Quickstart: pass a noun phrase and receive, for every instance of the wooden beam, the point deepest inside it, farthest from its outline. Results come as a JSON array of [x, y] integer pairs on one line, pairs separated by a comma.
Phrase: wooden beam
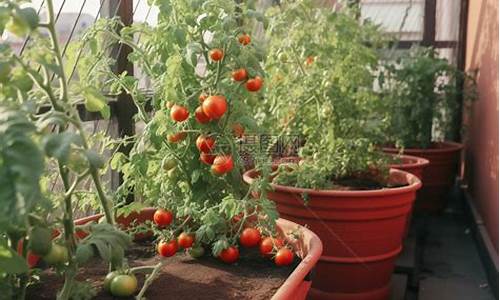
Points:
[[429, 36]]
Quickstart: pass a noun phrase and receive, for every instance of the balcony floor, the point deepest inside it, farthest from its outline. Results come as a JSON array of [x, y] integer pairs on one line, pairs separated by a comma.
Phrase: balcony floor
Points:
[[441, 261]]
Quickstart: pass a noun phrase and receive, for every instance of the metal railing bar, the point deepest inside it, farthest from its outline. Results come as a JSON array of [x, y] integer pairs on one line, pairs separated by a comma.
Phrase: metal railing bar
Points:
[[81, 49]]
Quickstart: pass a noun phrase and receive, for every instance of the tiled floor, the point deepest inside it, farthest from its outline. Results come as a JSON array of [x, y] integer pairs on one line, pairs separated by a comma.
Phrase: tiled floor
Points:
[[449, 264]]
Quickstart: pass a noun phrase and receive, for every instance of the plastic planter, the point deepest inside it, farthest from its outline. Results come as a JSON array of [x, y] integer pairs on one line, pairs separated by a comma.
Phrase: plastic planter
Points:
[[439, 175], [361, 232], [295, 287]]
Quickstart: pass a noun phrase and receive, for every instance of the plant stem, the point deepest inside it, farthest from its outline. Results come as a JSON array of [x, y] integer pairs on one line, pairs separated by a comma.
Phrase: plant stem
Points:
[[149, 280]]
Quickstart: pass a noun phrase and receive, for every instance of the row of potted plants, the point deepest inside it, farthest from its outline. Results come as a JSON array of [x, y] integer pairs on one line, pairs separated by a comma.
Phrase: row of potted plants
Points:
[[330, 82]]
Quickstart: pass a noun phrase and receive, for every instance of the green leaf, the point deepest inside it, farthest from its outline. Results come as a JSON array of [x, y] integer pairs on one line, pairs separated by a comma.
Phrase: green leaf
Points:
[[95, 101], [84, 253]]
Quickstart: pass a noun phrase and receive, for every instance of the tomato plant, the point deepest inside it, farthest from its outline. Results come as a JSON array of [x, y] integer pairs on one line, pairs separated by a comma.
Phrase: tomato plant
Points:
[[44, 143], [321, 89], [420, 95]]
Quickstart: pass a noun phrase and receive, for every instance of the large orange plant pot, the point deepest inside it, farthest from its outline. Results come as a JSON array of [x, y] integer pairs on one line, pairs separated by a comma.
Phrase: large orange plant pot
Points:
[[361, 232], [439, 176]]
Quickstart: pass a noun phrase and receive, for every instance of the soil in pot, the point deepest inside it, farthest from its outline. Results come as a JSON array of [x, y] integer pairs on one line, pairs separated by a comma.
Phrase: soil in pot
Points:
[[183, 277]]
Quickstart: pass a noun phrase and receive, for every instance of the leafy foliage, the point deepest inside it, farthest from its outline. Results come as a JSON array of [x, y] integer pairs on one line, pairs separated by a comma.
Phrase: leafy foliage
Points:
[[41, 132], [175, 57], [420, 95], [321, 86]]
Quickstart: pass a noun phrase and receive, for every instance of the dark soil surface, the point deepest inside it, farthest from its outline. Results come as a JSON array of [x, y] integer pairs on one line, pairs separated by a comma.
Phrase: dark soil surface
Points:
[[183, 277]]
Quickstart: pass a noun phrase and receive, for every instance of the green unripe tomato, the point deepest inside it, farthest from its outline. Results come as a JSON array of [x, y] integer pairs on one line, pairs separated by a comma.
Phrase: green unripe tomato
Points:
[[123, 285], [58, 255], [31, 17], [23, 21], [168, 164], [77, 162], [40, 240], [196, 252], [4, 71], [107, 280], [283, 57]]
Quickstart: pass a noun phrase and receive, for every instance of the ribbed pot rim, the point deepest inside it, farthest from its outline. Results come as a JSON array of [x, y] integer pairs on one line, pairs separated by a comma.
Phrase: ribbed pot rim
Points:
[[416, 162], [446, 147], [412, 180]]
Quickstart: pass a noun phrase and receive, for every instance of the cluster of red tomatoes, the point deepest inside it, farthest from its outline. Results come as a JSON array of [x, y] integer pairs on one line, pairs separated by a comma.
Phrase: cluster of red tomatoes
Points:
[[185, 240], [250, 237], [213, 108]]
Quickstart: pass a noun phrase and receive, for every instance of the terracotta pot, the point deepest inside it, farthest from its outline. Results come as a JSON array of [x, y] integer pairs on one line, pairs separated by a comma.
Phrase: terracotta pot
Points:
[[295, 287], [411, 164], [439, 175], [414, 165], [361, 232]]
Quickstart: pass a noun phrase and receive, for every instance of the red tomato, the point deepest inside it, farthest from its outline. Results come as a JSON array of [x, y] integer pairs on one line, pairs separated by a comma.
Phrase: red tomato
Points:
[[215, 106], [284, 257], [200, 116], [205, 143], [309, 60], [239, 75], [244, 39], [176, 137], [163, 217], [179, 113], [167, 249], [267, 245], [202, 97], [185, 240], [222, 164], [230, 255], [254, 84], [250, 237], [238, 130], [216, 54], [207, 158]]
